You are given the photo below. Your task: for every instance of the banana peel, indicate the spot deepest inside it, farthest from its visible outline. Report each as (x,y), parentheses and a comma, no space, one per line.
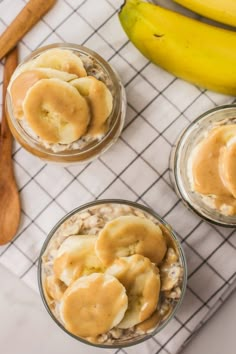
(223,11)
(191,50)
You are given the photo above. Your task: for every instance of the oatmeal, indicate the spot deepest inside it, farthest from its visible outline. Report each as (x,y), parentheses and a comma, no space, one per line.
(62,100)
(212,169)
(112,273)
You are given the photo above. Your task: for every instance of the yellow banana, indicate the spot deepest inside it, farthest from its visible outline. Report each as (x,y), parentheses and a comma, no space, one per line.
(194,51)
(223,11)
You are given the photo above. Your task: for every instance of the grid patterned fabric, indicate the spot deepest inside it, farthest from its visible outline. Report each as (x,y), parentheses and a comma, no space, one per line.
(136,168)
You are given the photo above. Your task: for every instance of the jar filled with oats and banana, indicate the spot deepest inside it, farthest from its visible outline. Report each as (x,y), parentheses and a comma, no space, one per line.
(65,104)
(203,167)
(112,273)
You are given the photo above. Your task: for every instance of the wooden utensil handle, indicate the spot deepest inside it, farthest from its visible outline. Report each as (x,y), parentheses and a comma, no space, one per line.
(6,137)
(28,16)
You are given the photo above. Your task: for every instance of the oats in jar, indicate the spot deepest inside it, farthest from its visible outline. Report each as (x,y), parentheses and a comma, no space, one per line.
(59,102)
(133,252)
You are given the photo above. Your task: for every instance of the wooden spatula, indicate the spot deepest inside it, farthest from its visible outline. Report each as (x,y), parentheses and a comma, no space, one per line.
(9,196)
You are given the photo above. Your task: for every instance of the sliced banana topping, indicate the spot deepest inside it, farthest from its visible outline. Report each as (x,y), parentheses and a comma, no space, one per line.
(76,257)
(100,101)
(99,286)
(56,111)
(26,80)
(57,115)
(227,167)
(56,74)
(19,88)
(93,304)
(61,59)
(150,323)
(211,174)
(55,288)
(142,283)
(128,235)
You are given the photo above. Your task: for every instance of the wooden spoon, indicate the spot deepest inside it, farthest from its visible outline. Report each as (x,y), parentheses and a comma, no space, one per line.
(9,196)
(24,21)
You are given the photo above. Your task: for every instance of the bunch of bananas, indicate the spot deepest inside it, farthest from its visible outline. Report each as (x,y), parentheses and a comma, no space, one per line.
(194,51)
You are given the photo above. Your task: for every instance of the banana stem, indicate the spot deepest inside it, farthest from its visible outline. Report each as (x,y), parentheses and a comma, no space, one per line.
(122,6)
(126,2)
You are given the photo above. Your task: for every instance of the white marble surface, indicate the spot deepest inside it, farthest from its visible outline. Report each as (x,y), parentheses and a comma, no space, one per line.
(25,327)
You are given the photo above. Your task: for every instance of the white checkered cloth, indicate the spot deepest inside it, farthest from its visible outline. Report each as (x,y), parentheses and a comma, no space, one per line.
(136,168)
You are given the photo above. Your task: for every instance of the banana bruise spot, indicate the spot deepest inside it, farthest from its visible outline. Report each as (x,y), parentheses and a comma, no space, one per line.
(93,304)
(100,102)
(141,280)
(128,235)
(61,59)
(76,257)
(158,35)
(56,111)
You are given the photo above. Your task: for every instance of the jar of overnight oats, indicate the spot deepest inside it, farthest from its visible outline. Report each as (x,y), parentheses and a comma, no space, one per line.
(203,166)
(112,273)
(65,104)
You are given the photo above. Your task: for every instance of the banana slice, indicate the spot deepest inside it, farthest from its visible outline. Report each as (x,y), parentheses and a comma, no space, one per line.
(150,323)
(93,304)
(21,69)
(56,111)
(100,101)
(142,283)
(128,235)
(227,167)
(76,257)
(61,59)
(55,288)
(209,171)
(56,74)
(19,88)
(27,79)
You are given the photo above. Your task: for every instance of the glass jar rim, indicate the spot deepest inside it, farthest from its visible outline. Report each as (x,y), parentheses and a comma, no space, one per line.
(181,141)
(116,111)
(135,205)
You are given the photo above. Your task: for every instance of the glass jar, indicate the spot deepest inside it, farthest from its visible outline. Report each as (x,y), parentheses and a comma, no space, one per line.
(55,238)
(180,158)
(93,149)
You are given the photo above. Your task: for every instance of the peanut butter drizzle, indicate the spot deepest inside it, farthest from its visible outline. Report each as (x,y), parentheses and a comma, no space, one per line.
(128,235)
(90,307)
(166,231)
(20,86)
(55,288)
(214,168)
(100,102)
(100,107)
(155,319)
(150,323)
(142,283)
(56,111)
(78,262)
(228,168)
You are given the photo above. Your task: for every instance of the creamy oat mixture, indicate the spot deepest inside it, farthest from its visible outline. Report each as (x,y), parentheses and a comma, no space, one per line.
(63,100)
(71,260)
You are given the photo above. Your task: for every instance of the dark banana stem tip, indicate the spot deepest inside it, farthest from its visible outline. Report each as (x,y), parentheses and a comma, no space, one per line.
(122,6)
